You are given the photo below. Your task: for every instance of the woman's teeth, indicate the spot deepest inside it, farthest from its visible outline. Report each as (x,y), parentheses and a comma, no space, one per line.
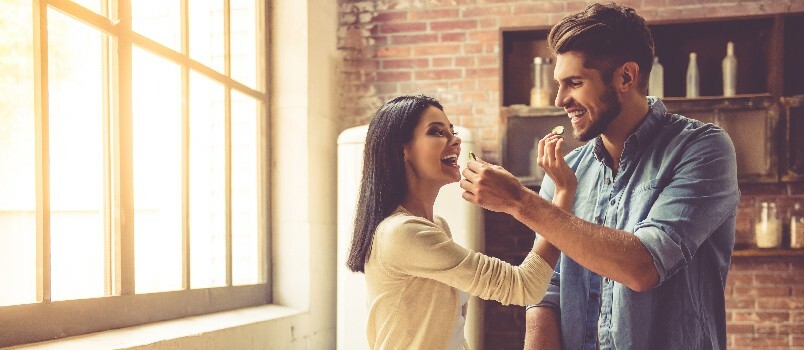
(450,159)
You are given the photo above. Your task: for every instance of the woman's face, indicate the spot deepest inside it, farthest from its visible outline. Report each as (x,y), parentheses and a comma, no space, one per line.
(431,156)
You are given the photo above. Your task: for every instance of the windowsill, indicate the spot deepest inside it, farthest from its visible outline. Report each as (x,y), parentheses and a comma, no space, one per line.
(131,337)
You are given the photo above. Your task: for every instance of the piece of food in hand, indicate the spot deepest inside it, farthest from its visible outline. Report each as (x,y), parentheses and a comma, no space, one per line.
(471,154)
(558,130)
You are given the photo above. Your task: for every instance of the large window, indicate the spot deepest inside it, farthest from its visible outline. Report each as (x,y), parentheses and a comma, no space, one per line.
(133,163)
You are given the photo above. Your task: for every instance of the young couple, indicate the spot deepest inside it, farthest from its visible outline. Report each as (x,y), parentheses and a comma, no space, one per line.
(639,228)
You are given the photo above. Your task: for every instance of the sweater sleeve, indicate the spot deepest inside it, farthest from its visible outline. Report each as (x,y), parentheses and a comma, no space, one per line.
(417,247)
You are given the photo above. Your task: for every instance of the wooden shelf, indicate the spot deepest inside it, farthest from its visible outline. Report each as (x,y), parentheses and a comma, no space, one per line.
(762,120)
(718,98)
(764,252)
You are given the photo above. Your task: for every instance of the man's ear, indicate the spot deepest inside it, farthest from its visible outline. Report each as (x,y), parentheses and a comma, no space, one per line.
(629,74)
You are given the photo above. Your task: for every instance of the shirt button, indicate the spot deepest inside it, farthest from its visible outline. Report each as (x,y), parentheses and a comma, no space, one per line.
(612,202)
(597,219)
(608,181)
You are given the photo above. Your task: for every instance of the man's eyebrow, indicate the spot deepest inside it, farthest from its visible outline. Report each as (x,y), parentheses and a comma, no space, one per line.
(574,77)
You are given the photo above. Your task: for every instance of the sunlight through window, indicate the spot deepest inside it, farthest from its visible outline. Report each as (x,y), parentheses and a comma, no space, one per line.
(245,136)
(76,159)
(132,162)
(17,145)
(207,183)
(156,121)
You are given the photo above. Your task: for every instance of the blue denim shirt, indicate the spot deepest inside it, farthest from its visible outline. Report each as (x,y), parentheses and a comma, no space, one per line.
(676,190)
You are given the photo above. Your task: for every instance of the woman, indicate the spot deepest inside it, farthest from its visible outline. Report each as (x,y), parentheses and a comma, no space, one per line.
(418,279)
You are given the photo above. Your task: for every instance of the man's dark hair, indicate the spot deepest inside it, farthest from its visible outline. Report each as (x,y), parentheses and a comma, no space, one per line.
(608,36)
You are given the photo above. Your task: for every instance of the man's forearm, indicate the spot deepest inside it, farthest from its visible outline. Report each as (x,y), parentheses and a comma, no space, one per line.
(615,254)
(542,329)
(563,200)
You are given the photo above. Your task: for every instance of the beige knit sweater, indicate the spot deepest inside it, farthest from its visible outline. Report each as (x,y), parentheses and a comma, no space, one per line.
(412,275)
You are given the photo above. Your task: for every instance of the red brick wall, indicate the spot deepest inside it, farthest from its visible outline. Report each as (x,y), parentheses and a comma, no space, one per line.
(765,295)
(450,49)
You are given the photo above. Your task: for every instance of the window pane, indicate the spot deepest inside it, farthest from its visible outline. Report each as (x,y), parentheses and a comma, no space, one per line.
(244,41)
(245,136)
(94,5)
(159,20)
(157,172)
(76,158)
(207,183)
(206,32)
(17,187)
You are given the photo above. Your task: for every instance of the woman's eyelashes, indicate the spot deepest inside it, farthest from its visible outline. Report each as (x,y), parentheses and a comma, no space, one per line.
(441,132)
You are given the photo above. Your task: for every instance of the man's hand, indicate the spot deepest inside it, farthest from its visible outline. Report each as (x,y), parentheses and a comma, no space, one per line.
(550,158)
(492,187)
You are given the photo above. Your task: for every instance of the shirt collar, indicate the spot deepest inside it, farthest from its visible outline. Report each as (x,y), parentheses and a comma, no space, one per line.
(643,135)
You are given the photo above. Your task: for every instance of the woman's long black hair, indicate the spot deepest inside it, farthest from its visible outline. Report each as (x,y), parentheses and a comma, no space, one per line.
(383,186)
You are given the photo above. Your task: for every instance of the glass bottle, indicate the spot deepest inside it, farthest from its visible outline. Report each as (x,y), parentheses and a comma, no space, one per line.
(797,227)
(692,76)
(768,228)
(656,79)
(540,93)
(729,71)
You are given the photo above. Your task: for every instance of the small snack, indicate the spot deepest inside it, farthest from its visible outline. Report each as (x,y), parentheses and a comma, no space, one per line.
(558,130)
(471,154)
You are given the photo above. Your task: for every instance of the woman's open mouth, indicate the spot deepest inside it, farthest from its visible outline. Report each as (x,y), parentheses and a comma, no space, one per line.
(450,160)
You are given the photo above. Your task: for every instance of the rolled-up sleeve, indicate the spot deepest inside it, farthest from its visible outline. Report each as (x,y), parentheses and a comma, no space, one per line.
(700,194)
(552,298)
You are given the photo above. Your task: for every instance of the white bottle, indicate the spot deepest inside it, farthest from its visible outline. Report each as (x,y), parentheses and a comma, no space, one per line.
(656,79)
(729,71)
(692,77)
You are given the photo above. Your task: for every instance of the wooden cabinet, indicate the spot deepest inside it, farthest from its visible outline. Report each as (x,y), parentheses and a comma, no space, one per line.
(752,122)
(765,120)
(792,162)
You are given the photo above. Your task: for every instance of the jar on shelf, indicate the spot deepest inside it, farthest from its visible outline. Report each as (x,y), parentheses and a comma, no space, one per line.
(542,94)
(797,227)
(768,227)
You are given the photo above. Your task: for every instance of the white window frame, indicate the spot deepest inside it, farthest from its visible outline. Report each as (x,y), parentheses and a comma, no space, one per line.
(46,319)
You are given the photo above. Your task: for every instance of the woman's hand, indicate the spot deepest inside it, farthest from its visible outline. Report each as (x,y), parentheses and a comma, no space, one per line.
(551,158)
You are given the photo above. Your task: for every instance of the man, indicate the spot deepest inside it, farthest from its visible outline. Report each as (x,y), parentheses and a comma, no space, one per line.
(645,255)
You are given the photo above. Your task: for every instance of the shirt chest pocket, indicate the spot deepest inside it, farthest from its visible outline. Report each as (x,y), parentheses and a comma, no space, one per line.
(584,206)
(637,204)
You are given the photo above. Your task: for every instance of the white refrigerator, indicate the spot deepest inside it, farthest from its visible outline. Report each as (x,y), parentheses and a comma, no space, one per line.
(465,221)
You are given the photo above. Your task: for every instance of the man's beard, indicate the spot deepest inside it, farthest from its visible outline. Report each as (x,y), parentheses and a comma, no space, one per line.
(611,108)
